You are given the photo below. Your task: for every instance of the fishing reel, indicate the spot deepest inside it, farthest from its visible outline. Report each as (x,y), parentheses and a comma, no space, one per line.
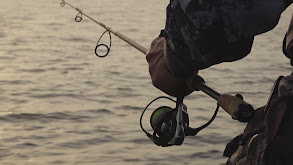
(171,125)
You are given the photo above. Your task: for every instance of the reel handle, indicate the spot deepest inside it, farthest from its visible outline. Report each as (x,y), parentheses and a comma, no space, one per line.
(235,106)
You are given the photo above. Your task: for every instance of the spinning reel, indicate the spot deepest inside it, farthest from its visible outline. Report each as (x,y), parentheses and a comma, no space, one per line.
(171,125)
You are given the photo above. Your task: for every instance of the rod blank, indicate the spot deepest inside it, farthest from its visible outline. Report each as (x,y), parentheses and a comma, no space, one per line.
(116,33)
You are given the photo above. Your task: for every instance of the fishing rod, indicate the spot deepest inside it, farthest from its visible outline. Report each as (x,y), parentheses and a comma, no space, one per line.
(171,125)
(78,18)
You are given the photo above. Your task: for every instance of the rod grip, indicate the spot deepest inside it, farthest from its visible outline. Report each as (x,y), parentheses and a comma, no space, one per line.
(236,107)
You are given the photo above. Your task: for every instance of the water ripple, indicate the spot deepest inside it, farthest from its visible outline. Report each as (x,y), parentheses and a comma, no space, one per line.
(15,82)
(31,70)
(2,35)
(87,142)
(26,145)
(44,118)
(75,39)
(100,111)
(129,107)
(4,152)
(208,154)
(54,95)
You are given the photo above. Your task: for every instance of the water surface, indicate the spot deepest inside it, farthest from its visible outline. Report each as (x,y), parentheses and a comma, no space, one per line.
(60,104)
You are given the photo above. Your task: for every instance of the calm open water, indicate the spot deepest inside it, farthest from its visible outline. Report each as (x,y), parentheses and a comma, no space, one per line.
(60,104)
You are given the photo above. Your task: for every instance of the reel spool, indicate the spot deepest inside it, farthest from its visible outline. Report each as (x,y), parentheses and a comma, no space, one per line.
(166,126)
(158,115)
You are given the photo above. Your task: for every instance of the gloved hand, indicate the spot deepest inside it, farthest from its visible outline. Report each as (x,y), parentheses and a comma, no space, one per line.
(160,75)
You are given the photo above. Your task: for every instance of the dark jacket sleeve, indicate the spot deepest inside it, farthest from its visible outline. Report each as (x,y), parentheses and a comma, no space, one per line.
(200,34)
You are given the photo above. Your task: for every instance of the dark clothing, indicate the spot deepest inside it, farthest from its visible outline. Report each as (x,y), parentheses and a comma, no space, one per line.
(267,138)
(202,33)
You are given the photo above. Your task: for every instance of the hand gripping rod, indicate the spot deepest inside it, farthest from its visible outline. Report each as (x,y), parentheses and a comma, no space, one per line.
(236,107)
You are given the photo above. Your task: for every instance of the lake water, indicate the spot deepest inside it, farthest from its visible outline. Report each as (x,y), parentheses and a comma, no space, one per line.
(60,104)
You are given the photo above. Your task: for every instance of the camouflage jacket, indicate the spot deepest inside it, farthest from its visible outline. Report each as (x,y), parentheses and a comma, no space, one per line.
(202,33)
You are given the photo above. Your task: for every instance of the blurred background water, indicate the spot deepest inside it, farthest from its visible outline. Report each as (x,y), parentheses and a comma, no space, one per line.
(60,104)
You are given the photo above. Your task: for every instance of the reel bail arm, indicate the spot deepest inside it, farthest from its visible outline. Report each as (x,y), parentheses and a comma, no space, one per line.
(233,105)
